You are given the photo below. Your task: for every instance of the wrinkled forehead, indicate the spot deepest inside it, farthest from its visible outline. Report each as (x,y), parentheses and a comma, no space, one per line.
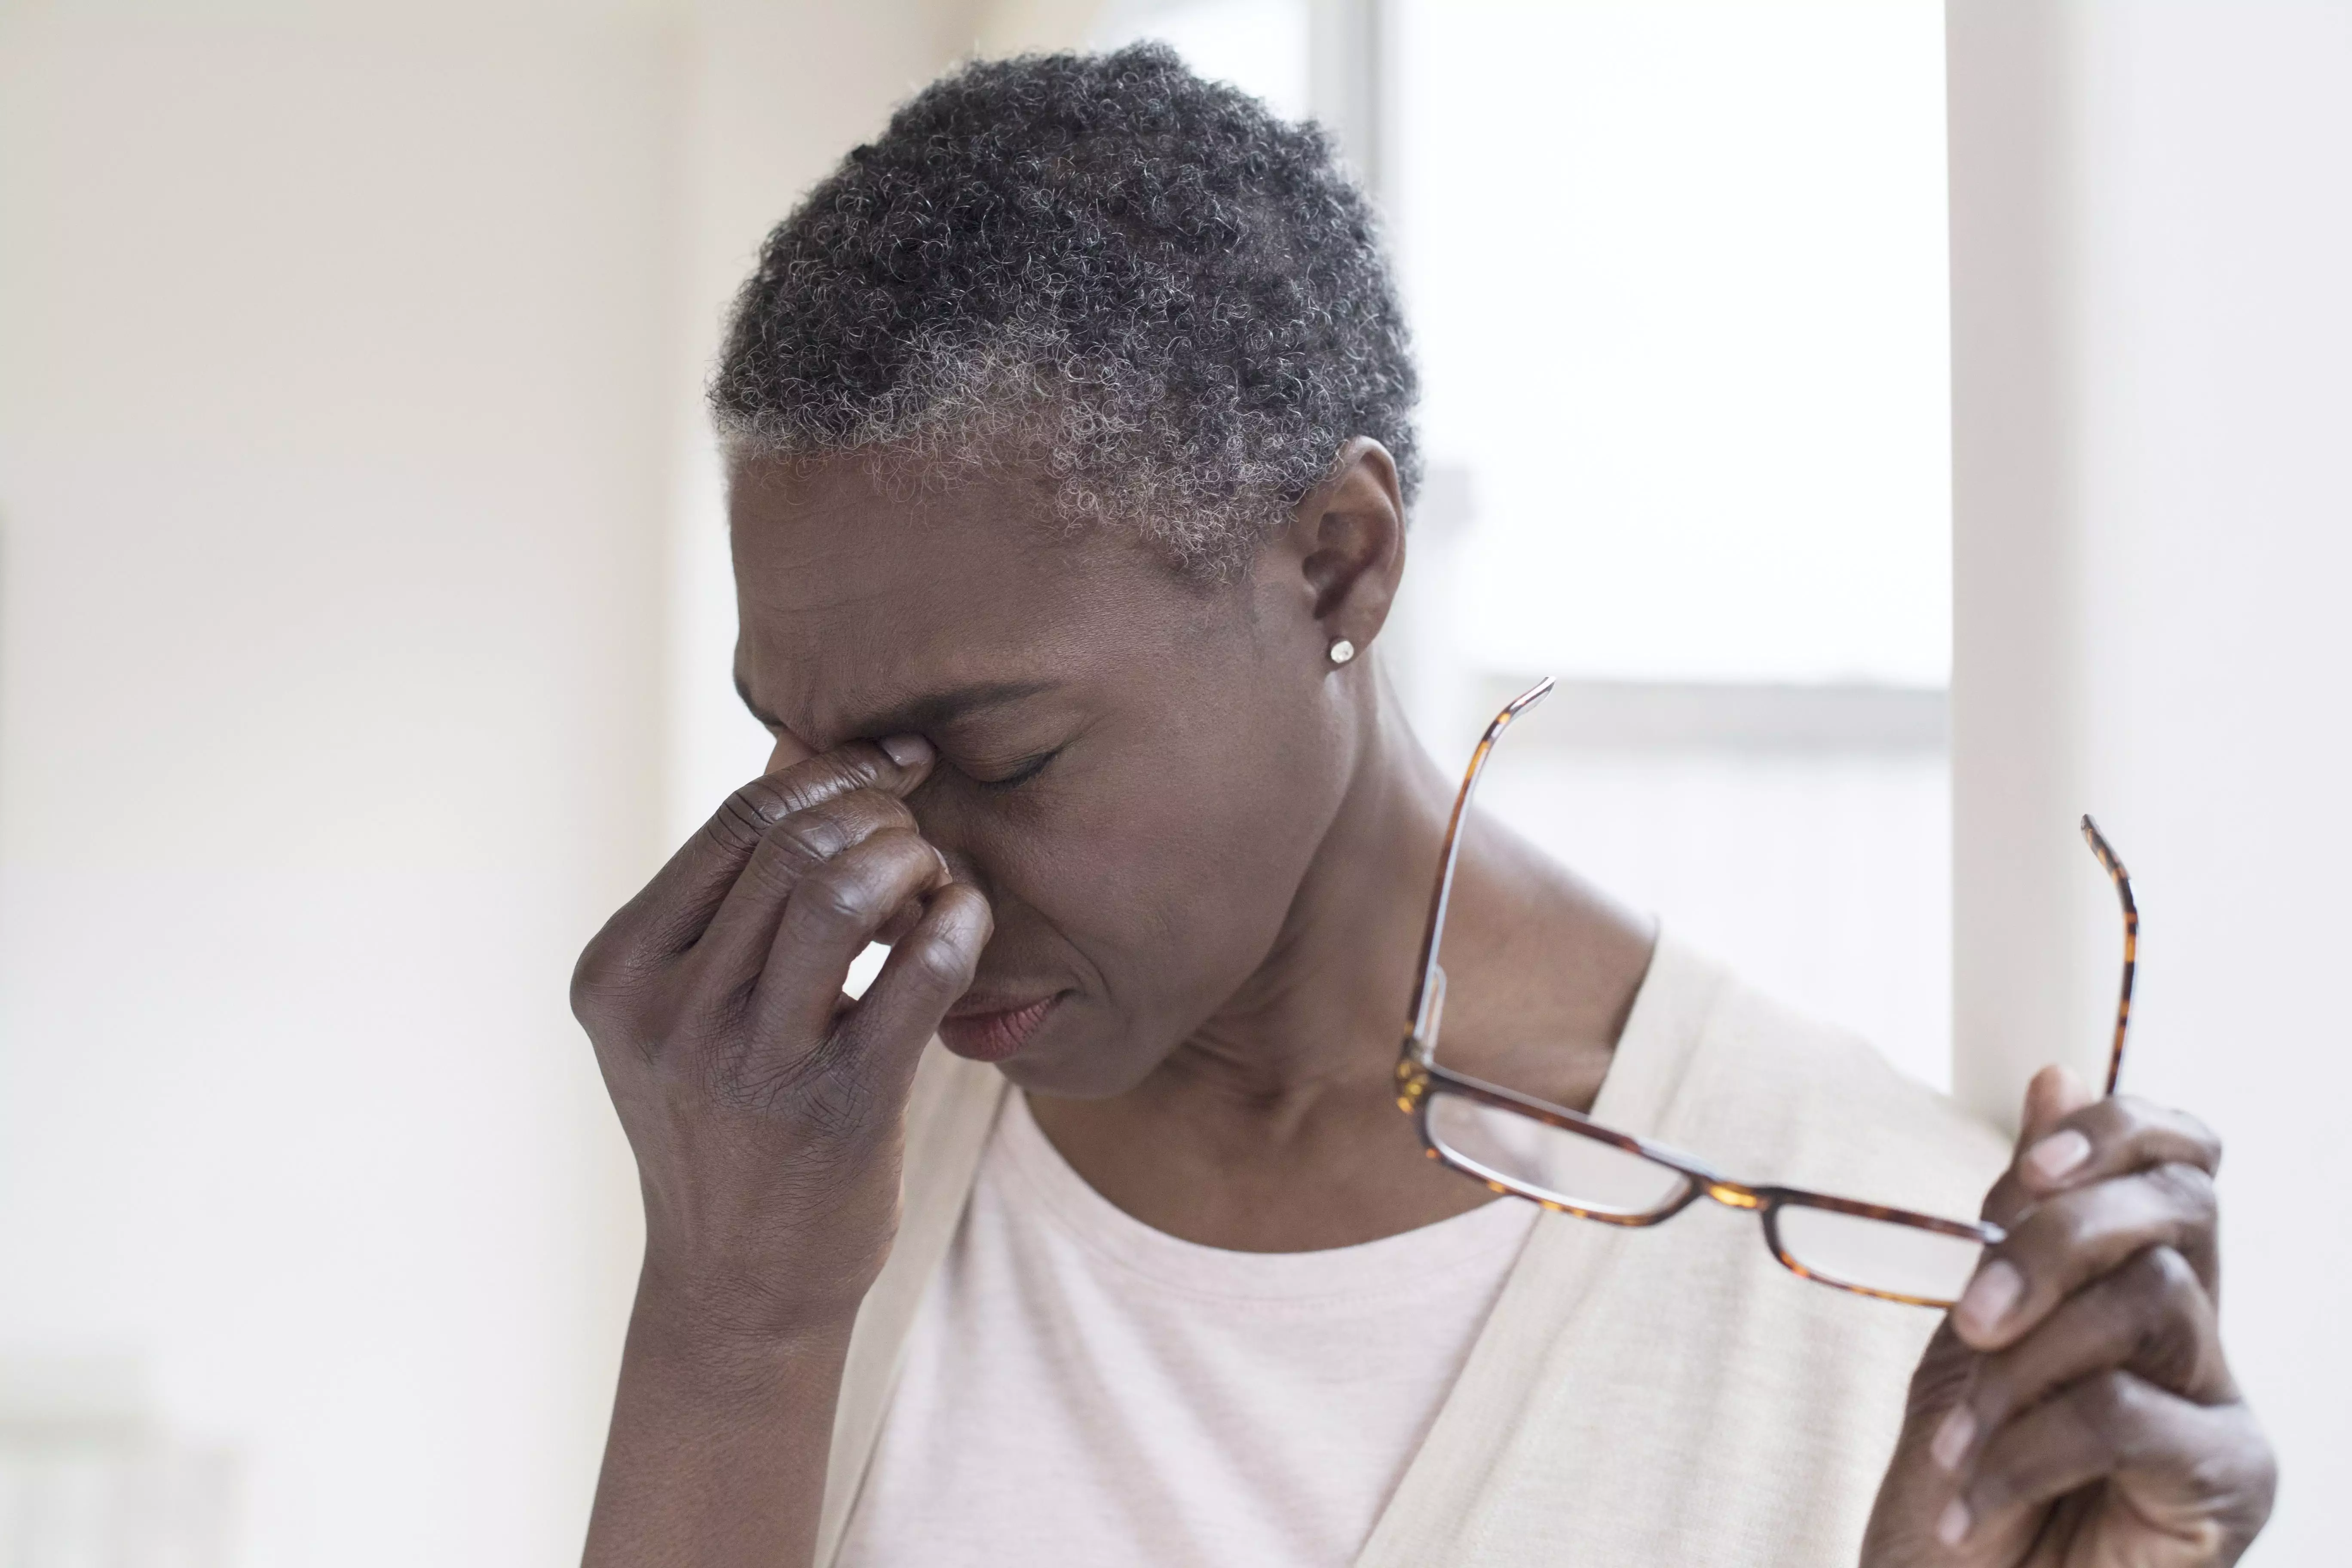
(861,595)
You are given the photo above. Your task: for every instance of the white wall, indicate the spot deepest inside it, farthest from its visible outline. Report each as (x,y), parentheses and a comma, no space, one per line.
(358,549)
(750,148)
(774,95)
(330,479)
(2152,228)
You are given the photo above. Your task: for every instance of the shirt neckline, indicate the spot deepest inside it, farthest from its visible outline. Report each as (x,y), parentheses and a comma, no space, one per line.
(1431,1259)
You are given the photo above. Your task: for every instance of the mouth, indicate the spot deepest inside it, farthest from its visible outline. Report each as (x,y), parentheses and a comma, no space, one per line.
(991,1028)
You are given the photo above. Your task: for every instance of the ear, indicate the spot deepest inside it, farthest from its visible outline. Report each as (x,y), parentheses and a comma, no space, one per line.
(1347,537)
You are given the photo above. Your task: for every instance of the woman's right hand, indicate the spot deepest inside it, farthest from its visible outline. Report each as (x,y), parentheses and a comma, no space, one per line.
(764,1107)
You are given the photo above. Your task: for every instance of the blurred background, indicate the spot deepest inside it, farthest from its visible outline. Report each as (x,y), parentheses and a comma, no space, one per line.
(1901,426)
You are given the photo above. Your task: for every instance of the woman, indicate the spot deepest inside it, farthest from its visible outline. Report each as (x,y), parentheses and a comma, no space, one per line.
(1070,459)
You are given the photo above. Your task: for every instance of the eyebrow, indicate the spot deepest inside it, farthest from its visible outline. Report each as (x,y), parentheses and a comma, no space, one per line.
(928,711)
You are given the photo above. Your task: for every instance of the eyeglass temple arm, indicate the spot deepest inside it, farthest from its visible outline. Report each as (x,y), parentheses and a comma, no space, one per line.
(2122,880)
(1428,990)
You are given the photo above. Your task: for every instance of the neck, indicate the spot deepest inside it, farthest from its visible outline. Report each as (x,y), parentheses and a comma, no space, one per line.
(1326,1007)
(1272,1126)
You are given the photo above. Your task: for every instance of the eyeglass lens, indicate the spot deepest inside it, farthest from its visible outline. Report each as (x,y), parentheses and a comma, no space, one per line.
(1894,1259)
(1595,1176)
(1572,1170)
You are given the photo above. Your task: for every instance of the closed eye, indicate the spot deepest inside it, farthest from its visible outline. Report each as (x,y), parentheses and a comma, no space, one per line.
(1021,775)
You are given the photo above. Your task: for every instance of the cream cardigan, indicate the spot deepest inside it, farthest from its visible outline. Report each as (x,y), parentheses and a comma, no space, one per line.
(1660,1396)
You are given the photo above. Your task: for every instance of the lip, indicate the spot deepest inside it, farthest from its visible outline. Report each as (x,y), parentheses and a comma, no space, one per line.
(991,1028)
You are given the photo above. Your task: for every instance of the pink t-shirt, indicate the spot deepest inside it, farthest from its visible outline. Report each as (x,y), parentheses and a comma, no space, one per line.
(1080,1388)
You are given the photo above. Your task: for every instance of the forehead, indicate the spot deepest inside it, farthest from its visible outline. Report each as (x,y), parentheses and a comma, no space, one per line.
(859,594)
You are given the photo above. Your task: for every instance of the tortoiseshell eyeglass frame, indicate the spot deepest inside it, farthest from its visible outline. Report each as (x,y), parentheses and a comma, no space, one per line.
(2122,880)
(1418,1072)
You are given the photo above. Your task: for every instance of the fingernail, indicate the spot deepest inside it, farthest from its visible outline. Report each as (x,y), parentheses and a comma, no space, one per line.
(1990,1297)
(1952,1437)
(906,751)
(2058,1154)
(1954,1522)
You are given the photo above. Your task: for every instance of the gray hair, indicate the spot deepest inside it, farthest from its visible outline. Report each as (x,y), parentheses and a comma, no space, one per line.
(1172,302)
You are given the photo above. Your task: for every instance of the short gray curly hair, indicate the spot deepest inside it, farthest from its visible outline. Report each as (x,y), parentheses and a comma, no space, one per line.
(1174,301)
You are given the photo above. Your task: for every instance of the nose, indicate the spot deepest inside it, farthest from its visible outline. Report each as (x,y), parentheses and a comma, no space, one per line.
(935,818)
(963,867)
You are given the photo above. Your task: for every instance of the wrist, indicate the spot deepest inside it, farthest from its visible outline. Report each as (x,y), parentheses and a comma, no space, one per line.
(719,1324)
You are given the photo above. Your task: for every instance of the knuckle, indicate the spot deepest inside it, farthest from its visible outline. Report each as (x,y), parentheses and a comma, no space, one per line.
(878,811)
(2170,1280)
(588,993)
(2143,1122)
(828,898)
(2108,1403)
(599,980)
(2062,1227)
(824,831)
(2169,1306)
(903,850)
(940,964)
(2103,1122)
(835,773)
(807,837)
(769,880)
(2191,1191)
(593,976)
(2206,1142)
(588,1000)
(743,818)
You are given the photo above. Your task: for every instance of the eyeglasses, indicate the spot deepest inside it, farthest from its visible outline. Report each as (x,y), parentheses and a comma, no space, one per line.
(1523,1147)
(2122,880)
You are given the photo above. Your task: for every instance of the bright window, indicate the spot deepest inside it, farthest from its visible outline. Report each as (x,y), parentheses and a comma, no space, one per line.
(1677,272)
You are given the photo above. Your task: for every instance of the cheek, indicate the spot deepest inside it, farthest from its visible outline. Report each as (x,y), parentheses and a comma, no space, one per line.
(1168,872)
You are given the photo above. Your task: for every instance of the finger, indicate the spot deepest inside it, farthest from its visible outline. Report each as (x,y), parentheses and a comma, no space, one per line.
(2054,1093)
(2150,1318)
(928,967)
(2202,1473)
(830,917)
(2061,1244)
(731,949)
(2113,1137)
(674,907)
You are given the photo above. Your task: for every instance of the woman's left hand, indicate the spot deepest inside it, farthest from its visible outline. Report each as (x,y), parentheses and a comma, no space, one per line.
(2075,1409)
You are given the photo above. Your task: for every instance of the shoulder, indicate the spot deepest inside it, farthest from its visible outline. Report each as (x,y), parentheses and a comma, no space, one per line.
(1778,1095)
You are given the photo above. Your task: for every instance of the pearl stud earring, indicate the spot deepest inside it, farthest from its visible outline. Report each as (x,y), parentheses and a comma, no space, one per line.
(1342,651)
